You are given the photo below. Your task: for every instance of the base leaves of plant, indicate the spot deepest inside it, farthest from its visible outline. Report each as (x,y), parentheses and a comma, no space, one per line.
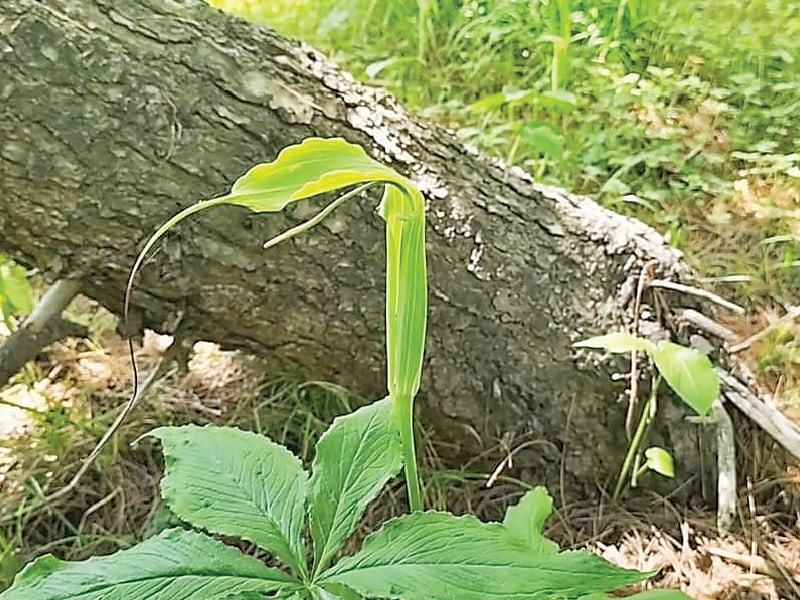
(175,565)
(354,460)
(236,483)
(248,479)
(438,556)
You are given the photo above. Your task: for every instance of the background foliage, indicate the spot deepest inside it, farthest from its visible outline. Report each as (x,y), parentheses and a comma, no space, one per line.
(682,113)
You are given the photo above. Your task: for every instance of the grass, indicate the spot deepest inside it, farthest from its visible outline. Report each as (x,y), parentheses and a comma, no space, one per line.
(684,114)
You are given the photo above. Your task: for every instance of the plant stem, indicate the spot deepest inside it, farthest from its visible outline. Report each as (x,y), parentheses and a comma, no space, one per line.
(644,421)
(404,407)
(316,219)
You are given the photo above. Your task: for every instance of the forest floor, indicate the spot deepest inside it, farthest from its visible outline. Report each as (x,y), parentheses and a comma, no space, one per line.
(54,412)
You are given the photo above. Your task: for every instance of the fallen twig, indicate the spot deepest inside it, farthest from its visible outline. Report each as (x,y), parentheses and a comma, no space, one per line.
(687,289)
(769,418)
(42,327)
(793,313)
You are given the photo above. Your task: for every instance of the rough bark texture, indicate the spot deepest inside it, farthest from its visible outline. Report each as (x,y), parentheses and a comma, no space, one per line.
(117,113)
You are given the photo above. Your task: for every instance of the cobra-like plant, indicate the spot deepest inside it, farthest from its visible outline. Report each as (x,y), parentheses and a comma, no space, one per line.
(317,166)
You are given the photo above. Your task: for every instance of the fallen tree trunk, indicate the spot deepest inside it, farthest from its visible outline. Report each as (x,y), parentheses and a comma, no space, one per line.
(116,114)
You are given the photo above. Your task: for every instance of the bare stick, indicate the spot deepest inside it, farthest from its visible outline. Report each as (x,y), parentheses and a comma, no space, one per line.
(793,313)
(769,418)
(42,327)
(694,291)
(706,324)
(647,273)
(727,500)
(55,300)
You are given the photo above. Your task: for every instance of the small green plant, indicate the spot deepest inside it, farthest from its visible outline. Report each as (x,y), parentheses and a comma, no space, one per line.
(241,485)
(16,297)
(690,375)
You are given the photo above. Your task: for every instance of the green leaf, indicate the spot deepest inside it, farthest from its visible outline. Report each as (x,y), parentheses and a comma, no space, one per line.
(176,565)
(313,167)
(355,458)
(236,483)
(498,99)
(525,521)
(15,289)
(660,461)
(559,100)
(689,373)
(617,342)
(543,139)
(437,556)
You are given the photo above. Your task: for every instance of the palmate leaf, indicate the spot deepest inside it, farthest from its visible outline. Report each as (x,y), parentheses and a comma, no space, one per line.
(175,565)
(436,556)
(236,483)
(355,458)
(689,373)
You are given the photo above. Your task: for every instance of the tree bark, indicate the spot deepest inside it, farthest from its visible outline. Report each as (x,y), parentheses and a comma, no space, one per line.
(117,113)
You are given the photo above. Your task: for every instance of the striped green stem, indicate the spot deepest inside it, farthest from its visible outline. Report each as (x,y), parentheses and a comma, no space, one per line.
(404,414)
